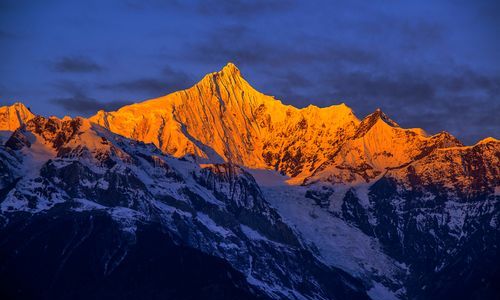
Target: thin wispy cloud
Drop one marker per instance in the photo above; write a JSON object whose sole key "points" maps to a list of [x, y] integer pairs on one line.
{"points": [[169, 80], [76, 64], [82, 104]]}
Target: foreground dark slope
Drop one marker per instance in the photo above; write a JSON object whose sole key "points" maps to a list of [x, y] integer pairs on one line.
{"points": [[64, 255]]}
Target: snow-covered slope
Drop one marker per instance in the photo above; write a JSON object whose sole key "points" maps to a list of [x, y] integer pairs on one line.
{"points": [[56, 168], [335, 241], [438, 215]]}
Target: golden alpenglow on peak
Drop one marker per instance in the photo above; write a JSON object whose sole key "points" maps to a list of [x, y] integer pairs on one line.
{"points": [[228, 77], [231, 68], [227, 72], [13, 116], [223, 118]]}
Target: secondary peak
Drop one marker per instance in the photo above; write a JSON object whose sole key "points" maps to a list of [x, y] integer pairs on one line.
{"points": [[379, 114], [13, 116]]}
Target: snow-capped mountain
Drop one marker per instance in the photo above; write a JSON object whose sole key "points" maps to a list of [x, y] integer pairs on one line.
{"points": [[223, 118], [282, 202], [11, 117]]}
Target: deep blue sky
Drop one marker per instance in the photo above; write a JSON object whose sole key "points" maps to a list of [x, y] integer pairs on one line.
{"points": [[429, 64]]}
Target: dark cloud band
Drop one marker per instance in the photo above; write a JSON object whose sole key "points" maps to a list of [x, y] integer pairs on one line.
{"points": [[76, 64]]}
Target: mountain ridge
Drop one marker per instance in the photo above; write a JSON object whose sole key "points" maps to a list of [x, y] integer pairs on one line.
{"points": [[222, 118]]}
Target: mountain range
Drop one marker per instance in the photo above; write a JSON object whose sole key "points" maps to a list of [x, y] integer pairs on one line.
{"points": [[222, 192]]}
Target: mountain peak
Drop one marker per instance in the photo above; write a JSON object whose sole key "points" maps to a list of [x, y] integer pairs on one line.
{"points": [[230, 69], [379, 114], [17, 106], [229, 75], [487, 140], [13, 116], [369, 121]]}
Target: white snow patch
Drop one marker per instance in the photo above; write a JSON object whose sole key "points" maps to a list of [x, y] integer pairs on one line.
{"points": [[126, 217], [380, 292], [36, 155], [252, 234], [275, 291], [85, 205], [212, 226]]}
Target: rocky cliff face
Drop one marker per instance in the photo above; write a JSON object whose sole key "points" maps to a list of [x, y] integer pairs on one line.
{"points": [[310, 202], [446, 233], [438, 215]]}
